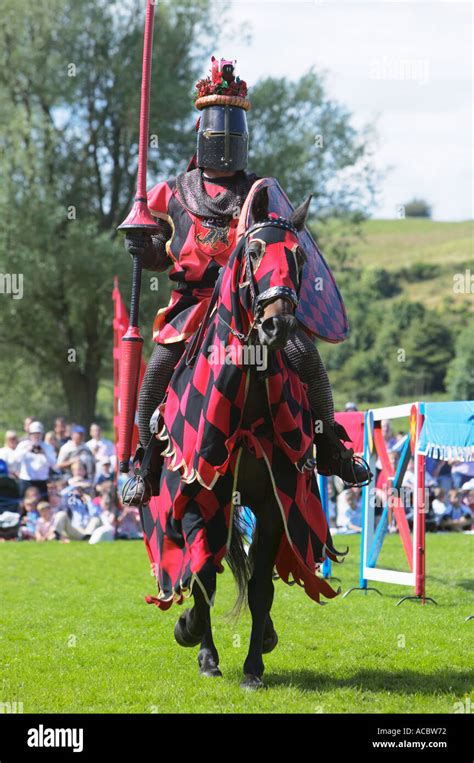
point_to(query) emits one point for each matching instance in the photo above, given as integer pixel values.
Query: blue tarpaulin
(448, 431)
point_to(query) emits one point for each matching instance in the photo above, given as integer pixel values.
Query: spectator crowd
(59, 485)
(449, 489)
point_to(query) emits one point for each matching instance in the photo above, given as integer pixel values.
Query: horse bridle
(274, 292)
(258, 300)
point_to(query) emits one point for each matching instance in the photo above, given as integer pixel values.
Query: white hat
(468, 485)
(36, 426)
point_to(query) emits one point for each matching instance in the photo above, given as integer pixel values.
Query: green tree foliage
(417, 208)
(460, 376)
(427, 349)
(70, 80)
(69, 84)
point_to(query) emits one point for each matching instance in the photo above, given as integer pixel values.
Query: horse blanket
(191, 520)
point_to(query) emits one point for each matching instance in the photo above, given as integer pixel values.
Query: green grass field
(77, 636)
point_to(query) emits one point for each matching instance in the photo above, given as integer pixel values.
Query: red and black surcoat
(199, 245)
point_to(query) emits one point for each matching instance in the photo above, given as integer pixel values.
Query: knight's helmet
(222, 140)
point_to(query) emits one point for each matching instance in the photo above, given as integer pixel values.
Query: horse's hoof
(270, 642)
(252, 683)
(182, 634)
(208, 666)
(212, 673)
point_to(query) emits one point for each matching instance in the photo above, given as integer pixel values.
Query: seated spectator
(441, 472)
(394, 458)
(98, 445)
(128, 524)
(45, 524)
(387, 433)
(60, 430)
(390, 442)
(103, 487)
(52, 440)
(26, 427)
(409, 477)
(462, 472)
(467, 493)
(353, 514)
(34, 460)
(30, 516)
(350, 406)
(10, 511)
(79, 475)
(457, 516)
(439, 504)
(54, 497)
(104, 471)
(80, 517)
(107, 514)
(74, 449)
(349, 510)
(7, 453)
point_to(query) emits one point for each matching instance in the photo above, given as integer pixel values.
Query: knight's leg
(332, 456)
(306, 360)
(161, 365)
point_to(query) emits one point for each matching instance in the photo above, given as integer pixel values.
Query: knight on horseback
(199, 213)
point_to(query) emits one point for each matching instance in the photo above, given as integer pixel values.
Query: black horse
(240, 433)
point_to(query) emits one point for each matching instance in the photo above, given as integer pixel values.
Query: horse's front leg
(260, 595)
(194, 625)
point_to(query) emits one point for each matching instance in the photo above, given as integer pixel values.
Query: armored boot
(145, 482)
(333, 458)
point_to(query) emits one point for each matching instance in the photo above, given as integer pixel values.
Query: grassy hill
(399, 245)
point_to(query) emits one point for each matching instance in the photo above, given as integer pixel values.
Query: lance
(139, 219)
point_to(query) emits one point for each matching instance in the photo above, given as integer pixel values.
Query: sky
(404, 67)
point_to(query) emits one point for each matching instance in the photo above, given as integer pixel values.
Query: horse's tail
(239, 562)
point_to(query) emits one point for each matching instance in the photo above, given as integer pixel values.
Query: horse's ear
(298, 216)
(260, 205)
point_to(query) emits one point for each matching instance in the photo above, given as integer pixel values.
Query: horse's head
(274, 261)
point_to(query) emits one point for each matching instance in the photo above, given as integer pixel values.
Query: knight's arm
(151, 249)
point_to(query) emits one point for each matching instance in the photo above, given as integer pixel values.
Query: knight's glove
(150, 249)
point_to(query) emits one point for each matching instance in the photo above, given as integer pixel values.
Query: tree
(417, 208)
(69, 84)
(460, 376)
(423, 359)
(70, 81)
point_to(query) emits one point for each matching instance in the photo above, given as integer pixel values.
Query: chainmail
(306, 361)
(158, 373)
(191, 189)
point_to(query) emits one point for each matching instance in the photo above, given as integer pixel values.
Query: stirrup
(136, 491)
(361, 474)
(333, 458)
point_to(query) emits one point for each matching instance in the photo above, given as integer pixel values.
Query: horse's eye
(254, 249)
